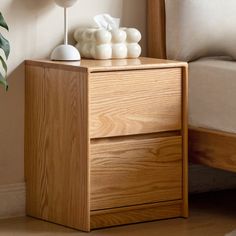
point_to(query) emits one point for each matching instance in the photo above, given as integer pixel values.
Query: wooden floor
(211, 215)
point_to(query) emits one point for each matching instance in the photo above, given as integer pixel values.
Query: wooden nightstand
(106, 141)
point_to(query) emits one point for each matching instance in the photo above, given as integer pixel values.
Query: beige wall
(35, 29)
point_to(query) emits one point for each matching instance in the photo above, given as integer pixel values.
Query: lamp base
(65, 53)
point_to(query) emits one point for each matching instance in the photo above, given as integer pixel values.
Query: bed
(212, 71)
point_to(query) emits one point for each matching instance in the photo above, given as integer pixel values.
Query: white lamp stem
(65, 52)
(65, 27)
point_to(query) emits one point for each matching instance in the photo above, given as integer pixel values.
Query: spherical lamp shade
(65, 52)
(65, 3)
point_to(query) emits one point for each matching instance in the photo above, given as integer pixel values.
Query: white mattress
(212, 94)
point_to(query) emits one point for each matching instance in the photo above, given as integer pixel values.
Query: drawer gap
(117, 70)
(143, 205)
(136, 137)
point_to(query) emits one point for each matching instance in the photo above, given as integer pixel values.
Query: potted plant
(5, 48)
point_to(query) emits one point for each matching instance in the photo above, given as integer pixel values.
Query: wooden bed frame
(208, 147)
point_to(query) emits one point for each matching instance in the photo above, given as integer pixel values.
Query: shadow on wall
(32, 9)
(24, 16)
(11, 132)
(20, 15)
(27, 11)
(32, 5)
(134, 15)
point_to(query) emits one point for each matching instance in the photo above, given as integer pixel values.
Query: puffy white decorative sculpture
(108, 44)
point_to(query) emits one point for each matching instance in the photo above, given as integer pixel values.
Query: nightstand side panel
(56, 148)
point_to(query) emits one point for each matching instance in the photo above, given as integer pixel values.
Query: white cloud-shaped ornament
(110, 42)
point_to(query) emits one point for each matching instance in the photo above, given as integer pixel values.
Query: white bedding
(212, 89)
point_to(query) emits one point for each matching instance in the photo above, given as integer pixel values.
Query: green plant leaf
(3, 81)
(3, 22)
(5, 45)
(4, 65)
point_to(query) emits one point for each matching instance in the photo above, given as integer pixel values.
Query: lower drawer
(127, 172)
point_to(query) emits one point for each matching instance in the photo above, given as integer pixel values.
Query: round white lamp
(65, 52)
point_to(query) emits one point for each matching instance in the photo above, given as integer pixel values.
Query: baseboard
(205, 179)
(12, 200)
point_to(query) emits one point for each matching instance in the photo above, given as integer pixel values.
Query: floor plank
(211, 214)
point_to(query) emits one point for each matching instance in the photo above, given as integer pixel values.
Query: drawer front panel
(135, 102)
(132, 172)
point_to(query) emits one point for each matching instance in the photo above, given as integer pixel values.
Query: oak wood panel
(156, 29)
(135, 102)
(185, 140)
(56, 152)
(35, 179)
(135, 214)
(141, 63)
(213, 148)
(132, 172)
(57, 167)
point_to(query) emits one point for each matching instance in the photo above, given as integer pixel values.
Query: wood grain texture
(156, 25)
(213, 148)
(135, 102)
(127, 121)
(142, 213)
(33, 176)
(140, 63)
(132, 172)
(56, 151)
(185, 139)
(156, 29)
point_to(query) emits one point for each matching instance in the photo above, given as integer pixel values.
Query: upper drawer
(135, 102)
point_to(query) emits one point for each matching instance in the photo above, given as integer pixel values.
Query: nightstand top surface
(109, 65)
